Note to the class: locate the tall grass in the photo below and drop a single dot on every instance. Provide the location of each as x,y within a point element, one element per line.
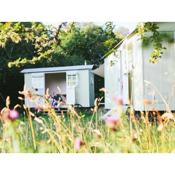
<point>75,132</point>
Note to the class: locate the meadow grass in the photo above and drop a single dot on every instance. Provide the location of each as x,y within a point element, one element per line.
<point>79,132</point>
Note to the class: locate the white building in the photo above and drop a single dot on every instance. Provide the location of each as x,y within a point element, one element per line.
<point>76,83</point>
<point>129,74</point>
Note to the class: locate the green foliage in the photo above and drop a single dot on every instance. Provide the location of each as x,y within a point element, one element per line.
<point>20,44</point>
<point>150,35</point>
<point>85,42</point>
<point>163,37</point>
<point>38,37</point>
<point>28,43</point>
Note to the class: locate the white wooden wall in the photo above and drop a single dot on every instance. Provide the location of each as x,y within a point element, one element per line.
<point>84,94</point>
<point>113,81</point>
<point>138,89</point>
<point>124,74</point>
<point>162,76</point>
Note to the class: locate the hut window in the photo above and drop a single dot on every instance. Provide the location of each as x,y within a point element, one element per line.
<point>72,80</point>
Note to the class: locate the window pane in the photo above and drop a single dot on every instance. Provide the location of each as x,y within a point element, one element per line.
<point>72,80</point>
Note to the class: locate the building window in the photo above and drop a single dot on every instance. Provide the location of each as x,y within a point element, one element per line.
<point>72,79</point>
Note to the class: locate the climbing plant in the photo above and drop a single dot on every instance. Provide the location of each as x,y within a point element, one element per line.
<point>150,34</point>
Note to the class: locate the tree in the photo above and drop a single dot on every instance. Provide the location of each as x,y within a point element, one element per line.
<point>21,44</point>
<point>85,42</point>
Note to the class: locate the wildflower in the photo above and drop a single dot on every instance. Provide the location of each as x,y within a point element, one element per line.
<point>13,114</point>
<point>112,122</point>
<point>7,114</point>
<point>78,143</point>
<point>118,100</point>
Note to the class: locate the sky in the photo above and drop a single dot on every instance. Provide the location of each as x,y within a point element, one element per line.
<point>130,25</point>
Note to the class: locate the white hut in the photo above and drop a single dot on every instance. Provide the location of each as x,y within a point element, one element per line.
<point>75,83</point>
<point>130,75</point>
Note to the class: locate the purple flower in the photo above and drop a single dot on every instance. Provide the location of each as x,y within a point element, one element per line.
<point>13,114</point>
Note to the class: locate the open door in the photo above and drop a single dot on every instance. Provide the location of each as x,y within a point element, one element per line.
<point>71,83</point>
<point>38,86</point>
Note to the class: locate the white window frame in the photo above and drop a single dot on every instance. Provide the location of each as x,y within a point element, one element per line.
<point>72,79</point>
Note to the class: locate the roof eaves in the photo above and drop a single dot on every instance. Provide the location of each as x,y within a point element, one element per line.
<point>58,69</point>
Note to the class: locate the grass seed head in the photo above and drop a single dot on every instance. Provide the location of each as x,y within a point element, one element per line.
<point>134,136</point>
<point>160,127</point>
<point>103,90</point>
<point>97,133</point>
<point>5,114</point>
<point>8,102</point>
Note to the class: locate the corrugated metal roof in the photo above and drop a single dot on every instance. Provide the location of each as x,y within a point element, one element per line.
<point>57,69</point>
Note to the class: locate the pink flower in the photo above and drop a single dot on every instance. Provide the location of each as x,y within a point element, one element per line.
<point>112,122</point>
<point>118,100</point>
<point>78,143</point>
<point>13,114</point>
